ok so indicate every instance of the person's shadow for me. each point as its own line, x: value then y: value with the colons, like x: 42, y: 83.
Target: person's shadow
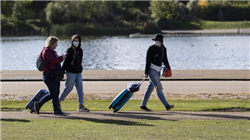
x: 96, y: 120
x: 14, y: 120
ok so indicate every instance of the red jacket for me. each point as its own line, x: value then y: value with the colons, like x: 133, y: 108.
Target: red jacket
x: 52, y: 59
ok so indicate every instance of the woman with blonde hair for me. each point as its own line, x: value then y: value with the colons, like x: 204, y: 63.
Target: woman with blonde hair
x: 52, y: 64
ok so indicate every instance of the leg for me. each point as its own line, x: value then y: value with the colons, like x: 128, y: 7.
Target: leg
x: 147, y: 93
x: 49, y: 84
x: 161, y: 95
x: 79, y: 88
x: 55, y: 99
x: 155, y: 78
x: 69, y: 84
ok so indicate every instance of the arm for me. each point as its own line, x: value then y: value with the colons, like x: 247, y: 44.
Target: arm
x: 148, y: 60
x: 165, y: 59
x: 81, y: 58
x: 67, y: 60
x: 51, y: 58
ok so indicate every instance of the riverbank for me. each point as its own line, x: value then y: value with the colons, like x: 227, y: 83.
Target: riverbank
x: 236, y: 31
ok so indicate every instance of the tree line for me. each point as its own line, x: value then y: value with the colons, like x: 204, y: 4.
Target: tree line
x: 113, y: 17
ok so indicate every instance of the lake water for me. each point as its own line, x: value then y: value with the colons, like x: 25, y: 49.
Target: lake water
x: 124, y: 53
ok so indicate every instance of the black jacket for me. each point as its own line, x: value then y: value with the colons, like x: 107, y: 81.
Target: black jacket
x: 156, y: 55
x: 77, y: 64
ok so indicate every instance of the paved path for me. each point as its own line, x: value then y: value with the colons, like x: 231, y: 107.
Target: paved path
x: 128, y: 115
x: 192, y: 84
x: 172, y: 89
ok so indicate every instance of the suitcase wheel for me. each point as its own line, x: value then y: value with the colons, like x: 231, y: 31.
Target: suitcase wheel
x: 110, y: 107
x: 115, y: 111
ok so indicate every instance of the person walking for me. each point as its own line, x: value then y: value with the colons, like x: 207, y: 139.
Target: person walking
x: 73, y: 67
x: 52, y: 65
x: 156, y: 55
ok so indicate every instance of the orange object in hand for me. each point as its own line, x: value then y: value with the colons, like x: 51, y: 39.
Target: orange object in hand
x: 166, y: 72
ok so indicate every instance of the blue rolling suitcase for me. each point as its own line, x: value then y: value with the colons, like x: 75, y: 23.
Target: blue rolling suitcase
x: 124, y: 96
x: 41, y: 94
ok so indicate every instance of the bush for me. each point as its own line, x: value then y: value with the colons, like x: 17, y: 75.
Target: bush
x: 193, y: 8
x: 168, y: 13
x: 151, y: 28
x: 225, y: 11
x: 90, y: 29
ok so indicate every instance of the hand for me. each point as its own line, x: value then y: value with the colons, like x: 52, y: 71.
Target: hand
x: 64, y: 57
x: 146, y: 75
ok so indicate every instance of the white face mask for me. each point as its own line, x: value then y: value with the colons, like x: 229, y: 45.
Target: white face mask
x: 75, y: 43
x: 157, y: 43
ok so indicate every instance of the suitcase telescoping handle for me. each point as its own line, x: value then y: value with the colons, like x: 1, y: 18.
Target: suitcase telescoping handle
x: 142, y: 81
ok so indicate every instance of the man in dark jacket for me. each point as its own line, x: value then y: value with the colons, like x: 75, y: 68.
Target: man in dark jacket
x: 156, y: 55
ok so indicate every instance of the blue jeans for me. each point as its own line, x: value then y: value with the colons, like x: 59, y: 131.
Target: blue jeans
x: 73, y: 79
x: 54, y: 90
x: 154, y: 81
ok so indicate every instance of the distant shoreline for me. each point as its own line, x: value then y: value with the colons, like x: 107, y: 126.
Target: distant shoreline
x: 237, y: 31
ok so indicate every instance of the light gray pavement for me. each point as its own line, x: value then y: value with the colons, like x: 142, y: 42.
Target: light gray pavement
x: 106, y: 88
x: 195, y: 84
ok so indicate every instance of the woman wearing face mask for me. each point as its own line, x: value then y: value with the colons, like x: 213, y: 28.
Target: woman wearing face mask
x: 52, y: 63
x: 156, y: 55
x: 73, y: 67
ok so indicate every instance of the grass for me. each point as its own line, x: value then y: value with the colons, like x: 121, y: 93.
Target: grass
x: 102, y: 105
x: 124, y: 129
x: 138, y: 129
x: 204, y: 24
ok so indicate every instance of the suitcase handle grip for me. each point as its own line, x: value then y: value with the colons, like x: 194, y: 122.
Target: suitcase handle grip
x: 142, y: 81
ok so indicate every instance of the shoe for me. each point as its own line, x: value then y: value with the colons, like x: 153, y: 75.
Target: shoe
x: 145, y: 108
x: 169, y: 107
x: 36, y: 107
x: 60, y: 113
x: 82, y: 108
x: 32, y: 111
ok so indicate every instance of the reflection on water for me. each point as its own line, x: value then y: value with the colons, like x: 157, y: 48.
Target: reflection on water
x: 203, y: 52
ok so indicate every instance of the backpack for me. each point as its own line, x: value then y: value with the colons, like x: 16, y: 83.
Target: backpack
x: 40, y: 63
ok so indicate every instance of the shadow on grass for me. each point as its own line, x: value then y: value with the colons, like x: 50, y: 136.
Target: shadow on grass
x: 15, y: 120
x: 213, y: 115
x: 230, y: 109
x: 137, y: 115
x: 105, y: 121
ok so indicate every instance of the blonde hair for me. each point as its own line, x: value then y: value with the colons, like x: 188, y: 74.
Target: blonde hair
x: 50, y: 41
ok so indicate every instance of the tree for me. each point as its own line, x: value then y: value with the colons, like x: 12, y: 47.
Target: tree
x: 167, y: 13
x: 22, y: 11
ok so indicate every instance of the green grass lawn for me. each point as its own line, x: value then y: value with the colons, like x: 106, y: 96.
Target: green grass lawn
x: 133, y: 105
x: 138, y: 129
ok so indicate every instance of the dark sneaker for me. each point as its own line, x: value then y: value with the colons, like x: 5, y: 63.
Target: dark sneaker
x: 60, y: 113
x: 32, y: 111
x: 145, y: 108
x: 82, y: 108
x: 169, y: 107
x: 36, y: 107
